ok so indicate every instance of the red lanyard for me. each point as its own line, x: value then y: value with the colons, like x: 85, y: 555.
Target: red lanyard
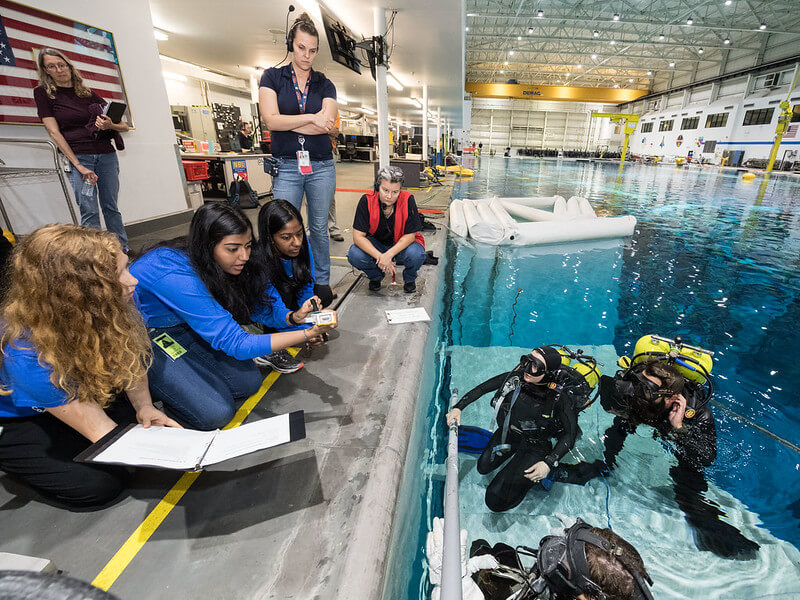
x: 301, y: 97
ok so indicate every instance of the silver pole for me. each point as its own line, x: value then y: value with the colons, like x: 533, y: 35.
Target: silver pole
x: 379, y: 19
x: 425, y: 123
x: 451, y: 552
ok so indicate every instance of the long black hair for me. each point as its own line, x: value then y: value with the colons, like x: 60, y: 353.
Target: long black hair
x: 241, y: 295
x: 273, y: 217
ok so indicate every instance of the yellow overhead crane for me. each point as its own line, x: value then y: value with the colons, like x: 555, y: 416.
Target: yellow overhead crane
x: 628, y: 123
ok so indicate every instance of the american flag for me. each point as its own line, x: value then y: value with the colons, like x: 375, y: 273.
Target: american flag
x: 24, y: 31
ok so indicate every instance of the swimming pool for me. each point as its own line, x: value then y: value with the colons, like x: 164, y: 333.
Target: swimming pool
x: 714, y: 259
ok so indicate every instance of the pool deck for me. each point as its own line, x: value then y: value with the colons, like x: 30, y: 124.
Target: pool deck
x: 311, y: 519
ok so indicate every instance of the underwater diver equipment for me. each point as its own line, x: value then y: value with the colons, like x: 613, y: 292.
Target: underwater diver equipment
x: 586, y: 366
x: 561, y: 567
x: 473, y: 440
x: 692, y: 362
x: 503, y: 446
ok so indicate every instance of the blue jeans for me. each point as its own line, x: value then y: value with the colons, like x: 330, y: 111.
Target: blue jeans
x: 412, y: 258
x: 199, y: 389
x: 106, y: 166
x: 319, y: 187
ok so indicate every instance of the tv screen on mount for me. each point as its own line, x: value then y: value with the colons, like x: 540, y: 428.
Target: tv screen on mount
x: 341, y: 41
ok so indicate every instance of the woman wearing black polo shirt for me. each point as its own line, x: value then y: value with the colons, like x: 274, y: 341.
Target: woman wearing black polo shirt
x: 298, y: 105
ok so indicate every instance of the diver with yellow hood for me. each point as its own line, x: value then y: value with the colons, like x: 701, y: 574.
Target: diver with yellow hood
x: 667, y: 386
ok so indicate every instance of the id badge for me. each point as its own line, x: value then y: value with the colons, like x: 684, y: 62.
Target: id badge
x: 304, y: 162
x: 172, y: 348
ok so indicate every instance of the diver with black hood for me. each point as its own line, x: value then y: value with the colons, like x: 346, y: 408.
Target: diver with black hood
x: 667, y: 385
x: 537, y: 401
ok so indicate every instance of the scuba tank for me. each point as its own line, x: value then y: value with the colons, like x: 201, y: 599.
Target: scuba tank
x: 692, y: 362
x: 586, y: 366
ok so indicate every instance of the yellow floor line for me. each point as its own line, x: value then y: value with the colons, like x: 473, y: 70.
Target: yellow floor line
x: 119, y: 562
x: 340, y: 257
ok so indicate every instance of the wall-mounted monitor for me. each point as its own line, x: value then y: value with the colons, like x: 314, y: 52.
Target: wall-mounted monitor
x: 342, y: 42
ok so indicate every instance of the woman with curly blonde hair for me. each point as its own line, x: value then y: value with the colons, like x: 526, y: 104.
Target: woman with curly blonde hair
x: 71, y: 340
x: 73, y: 116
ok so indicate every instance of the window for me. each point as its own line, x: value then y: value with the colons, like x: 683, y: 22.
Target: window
x: 717, y: 120
x: 648, y: 127
x: 666, y: 125
x: 709, y: 147
x: 690, y: 123
x: 796, y: 114
x: 762, y: 116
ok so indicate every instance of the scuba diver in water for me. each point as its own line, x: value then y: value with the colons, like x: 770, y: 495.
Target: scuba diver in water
x: 535, y: 402
x: 667, y: 386
x: 585, y: 563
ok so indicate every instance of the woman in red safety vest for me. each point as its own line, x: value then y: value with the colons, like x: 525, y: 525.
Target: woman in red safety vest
x: 386, y: 230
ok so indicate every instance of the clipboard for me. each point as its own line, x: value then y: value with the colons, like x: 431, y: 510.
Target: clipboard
x: 115, y: 110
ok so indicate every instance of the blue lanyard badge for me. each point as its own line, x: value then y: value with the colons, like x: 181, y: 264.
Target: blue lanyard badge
x: 301, y: 96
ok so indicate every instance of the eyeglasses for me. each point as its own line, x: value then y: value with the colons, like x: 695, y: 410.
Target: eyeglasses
x: 57, y: 67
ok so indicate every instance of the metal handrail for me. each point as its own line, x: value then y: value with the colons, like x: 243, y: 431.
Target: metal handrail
x: 17, y: 171
x: 451, y: 550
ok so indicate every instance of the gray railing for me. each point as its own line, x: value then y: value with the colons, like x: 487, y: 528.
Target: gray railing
x: 451, y: 551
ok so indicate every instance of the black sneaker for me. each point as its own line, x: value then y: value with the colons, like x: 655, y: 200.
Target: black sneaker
x: 374, y: 285
x: 409, y: 287
x: 280, y: 361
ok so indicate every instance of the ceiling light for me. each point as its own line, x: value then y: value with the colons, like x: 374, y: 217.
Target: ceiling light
x: 700, y: 50
x: 689, y: 21
x: 530, y: 30
x: 616, y: 85
x: 726, y: 41
x: 539, y: 13
x: 394, y: 82
x: 511, y: 53
x: 661, y: 37
x: 630, y: 80
x: 616, y: 17
x: 594, y: 56
x: 580, y: 66
x: 671, y: 64
x: 728, y: 2
x: 519, y: 38
x: 417, y: 102
x: 612, y: 42
x: 649, y: 72
x: 367, y: 110
x: 174, y: 76
x: 505, y: 62
x: 342, y: 99
x: 763, y: 26
x: 596, y: 33
x: 501, y: 71
x: 161, y: 36
x: 466, y: 28
x: 472, y: 14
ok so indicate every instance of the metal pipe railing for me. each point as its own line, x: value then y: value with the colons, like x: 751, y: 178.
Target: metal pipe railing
x: 451, y: 551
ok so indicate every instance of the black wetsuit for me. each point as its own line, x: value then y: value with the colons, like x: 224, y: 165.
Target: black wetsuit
x: 539, y: 414
x: 695, y: 447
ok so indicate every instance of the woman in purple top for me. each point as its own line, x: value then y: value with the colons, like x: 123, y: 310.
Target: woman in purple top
x: 72, y: 115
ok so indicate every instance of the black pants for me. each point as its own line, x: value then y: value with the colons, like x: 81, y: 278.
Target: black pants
x: 510, y: 485
x: 38, y: 450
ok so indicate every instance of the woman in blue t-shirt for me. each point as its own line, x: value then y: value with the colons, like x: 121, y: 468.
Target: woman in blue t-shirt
x: 299, y: 108
x: 196, y: 293
x: 289, y: 264
x: 71, y: 341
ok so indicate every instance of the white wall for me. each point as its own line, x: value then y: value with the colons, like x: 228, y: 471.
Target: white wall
x: 150, y: 179
x: 541, y: 124
x: 735, y: 96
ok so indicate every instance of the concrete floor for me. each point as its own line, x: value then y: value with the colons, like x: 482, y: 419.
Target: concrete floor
x: 310, y: 519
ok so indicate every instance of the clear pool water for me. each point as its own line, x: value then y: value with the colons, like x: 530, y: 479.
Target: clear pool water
x: 714, y: 259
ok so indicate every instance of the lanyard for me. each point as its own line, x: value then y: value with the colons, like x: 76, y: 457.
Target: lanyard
x: 301, y: 97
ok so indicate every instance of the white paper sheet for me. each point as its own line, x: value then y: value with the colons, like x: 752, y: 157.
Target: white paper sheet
x: 248, y: 438
x: 158, y: 447
x: 407, y: 315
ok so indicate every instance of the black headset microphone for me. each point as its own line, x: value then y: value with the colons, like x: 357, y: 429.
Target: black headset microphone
x: 288, y: 39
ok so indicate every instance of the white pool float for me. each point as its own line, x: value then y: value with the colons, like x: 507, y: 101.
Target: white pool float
x: 490, y: 221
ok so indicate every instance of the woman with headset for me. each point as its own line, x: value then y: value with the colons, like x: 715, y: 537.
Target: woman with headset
x: 298, y: 106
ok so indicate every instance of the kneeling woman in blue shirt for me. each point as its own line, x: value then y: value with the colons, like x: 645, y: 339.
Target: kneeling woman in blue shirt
x: 196, y: 293
x: 71, y: 341
x: 289, y: 262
